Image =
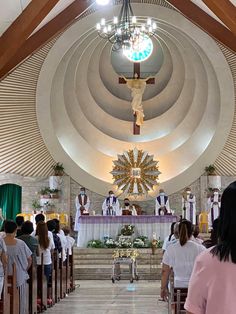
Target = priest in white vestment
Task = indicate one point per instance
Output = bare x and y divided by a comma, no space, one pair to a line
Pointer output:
162,204
111,206
213,202
189,206
82,204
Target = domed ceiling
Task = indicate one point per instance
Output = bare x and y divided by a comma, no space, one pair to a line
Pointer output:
85,115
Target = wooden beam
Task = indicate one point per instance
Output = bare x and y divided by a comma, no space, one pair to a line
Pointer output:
225,10
207,23
13,38
46,33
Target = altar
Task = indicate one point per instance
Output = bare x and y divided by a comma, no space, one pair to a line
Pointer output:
96,227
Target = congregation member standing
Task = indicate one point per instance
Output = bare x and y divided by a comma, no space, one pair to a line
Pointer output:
111,206
3,263
69,239
32,243
41,218
180,257
162,203
213,281
19,222
18,253
45,247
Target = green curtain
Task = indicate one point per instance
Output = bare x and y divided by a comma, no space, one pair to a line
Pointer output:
10,200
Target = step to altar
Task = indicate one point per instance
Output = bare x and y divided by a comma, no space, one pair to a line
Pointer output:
96,264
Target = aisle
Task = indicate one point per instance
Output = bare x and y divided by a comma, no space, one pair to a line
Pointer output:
103,297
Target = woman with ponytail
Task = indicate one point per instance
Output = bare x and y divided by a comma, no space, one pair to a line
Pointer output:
213,281
180,257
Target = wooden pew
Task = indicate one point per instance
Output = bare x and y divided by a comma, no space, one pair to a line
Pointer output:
176,298
33,288
13,291
72,271
62,277
67,263
52,290
42,286
5,298
57,276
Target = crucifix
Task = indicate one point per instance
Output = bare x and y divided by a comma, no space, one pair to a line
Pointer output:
137,93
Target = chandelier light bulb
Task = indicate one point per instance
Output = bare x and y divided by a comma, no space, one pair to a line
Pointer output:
105,30
149,22
102,2
134,19
103,21
119,31
115,20
143,28
150,29
109,28
154,26
98,26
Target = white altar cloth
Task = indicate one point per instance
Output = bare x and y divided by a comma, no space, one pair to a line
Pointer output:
96,227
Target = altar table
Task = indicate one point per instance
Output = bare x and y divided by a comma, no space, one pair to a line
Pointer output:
96,227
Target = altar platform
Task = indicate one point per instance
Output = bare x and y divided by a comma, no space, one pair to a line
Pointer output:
96,227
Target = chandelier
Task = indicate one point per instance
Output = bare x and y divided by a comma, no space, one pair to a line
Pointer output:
126,32
135,172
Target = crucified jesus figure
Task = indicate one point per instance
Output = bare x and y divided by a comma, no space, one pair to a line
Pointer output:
137,86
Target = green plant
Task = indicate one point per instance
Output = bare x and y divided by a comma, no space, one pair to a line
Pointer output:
54,191
45,191
58,169
141,242
35,204
96,244
210,170
110,243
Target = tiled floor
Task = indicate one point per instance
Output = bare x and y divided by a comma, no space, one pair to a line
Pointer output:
103,297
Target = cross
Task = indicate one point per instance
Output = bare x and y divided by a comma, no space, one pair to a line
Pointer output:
136,128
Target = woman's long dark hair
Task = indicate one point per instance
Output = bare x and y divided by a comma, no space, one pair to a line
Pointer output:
185,231
171,230
42,233
225,250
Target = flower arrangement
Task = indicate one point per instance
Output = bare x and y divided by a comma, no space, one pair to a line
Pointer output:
141,242
121,253
96,244
110,243
124,242
127,230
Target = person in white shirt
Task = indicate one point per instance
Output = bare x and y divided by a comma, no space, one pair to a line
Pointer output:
69,239
189,206
162,204
82,204
61,235
171,238
180,257
45,247
41,218
111,206
128,209
214,203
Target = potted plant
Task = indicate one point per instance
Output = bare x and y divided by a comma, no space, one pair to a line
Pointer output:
54,193
45,192
36,205
58,169
210,170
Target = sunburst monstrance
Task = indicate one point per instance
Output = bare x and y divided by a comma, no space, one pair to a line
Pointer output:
135,172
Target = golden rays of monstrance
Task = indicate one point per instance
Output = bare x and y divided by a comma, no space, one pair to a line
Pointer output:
135,172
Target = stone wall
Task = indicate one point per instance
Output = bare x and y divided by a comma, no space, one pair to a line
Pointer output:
31,187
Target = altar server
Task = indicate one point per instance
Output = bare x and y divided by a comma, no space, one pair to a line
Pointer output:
214,202
82,204
162,203
189,206
111,206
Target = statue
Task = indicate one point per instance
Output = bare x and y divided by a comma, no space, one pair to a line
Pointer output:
137,86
